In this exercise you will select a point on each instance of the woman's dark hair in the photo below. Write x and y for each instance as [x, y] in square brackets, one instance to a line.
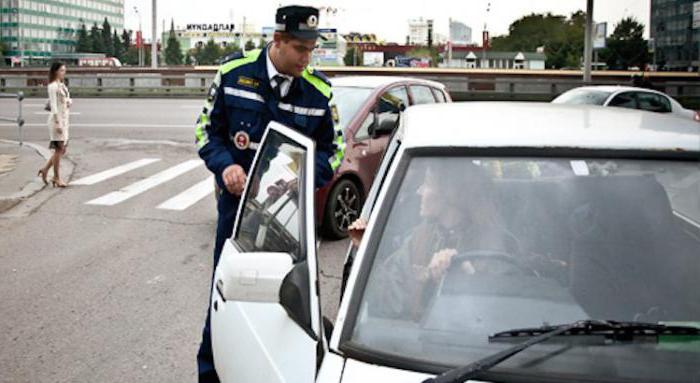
[53, 72]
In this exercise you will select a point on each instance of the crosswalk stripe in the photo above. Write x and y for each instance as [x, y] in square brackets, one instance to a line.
[139, 187]
[190, 196]
[113, 172]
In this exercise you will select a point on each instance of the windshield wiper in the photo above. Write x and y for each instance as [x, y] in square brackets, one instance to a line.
[621, 330]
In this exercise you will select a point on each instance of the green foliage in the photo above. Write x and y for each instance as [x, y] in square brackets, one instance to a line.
[207, 55]
[84, 43]
[249, 45]
[98, 45]
[230, 49]
[107, 42]
[352, 57]
[117, 46]
[130, 55]
[626, 47]
[173, 53]
[262, 44]
[561, 37]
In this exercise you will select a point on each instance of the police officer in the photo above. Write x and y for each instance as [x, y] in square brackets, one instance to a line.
[249, 91]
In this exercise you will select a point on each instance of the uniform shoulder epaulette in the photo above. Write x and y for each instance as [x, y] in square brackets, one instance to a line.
[231, 57]
[318, 80]
[237, 59]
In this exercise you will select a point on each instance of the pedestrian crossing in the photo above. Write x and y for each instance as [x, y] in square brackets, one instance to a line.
[178, 202]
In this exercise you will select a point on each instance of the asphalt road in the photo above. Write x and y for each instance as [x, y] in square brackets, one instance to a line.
[113, 293]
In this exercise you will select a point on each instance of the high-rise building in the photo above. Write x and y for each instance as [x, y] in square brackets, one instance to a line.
[460, 33]
[419, 31]
[37, 29]
[676, 44]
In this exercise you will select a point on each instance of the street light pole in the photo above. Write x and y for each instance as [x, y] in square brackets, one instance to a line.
[588, 45]
[154, 39]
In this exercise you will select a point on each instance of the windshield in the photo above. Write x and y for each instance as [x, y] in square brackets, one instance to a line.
[583, 97]
[473, 246]
[349, 100]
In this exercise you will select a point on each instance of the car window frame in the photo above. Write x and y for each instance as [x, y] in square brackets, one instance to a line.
[413, 98]
[441, 99]
[373, 111]
[663, 99]
[616, 95]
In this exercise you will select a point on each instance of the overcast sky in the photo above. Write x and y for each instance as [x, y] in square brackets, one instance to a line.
[387, 19]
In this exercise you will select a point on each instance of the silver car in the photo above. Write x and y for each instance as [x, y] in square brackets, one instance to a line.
[626, 97]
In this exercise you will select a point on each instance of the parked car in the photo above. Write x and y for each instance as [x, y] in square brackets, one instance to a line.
[368, 113]
[627, 97]
[558, 244]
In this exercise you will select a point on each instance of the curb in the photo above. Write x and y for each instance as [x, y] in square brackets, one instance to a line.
[31, 188]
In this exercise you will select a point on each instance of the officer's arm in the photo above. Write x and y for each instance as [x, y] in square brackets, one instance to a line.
[330, 149]
[212, 132]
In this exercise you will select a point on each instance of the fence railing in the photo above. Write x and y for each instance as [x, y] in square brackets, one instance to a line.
[461, 86]
[18, 119]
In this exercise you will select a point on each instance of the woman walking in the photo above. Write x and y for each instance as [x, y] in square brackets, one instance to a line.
[59, 103]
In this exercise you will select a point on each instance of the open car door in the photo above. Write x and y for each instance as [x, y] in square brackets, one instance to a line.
[265, 313]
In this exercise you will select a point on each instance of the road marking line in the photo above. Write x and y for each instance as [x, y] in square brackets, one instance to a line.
[139, 187]
[71, 113]
[113, 172]
[190, 196]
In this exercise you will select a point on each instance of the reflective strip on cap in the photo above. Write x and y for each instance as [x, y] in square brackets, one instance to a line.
[248, 95]
[302, 110]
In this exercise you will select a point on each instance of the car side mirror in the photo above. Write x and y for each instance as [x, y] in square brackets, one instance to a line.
[253, 277]
[386, 126]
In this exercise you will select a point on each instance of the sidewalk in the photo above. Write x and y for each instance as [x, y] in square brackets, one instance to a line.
[18, 172]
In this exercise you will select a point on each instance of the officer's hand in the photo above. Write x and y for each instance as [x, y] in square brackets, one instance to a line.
[234, 179]
[440, 262]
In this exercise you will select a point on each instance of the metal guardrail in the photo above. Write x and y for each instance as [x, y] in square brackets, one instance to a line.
[19, 120]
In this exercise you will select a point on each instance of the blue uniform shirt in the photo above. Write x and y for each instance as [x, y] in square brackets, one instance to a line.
[241, 103]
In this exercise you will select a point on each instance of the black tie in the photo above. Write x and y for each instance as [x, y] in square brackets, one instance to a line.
[277, 88]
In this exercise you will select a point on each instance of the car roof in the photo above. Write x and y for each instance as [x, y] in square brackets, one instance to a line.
[617, 88]
[542, 125]
[379, 81]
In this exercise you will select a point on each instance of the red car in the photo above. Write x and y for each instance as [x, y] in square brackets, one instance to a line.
[368, 112]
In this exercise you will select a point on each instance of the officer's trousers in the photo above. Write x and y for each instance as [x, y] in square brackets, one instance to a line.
[227, 208]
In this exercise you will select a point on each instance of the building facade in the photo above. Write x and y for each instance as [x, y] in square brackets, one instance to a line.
[460, 33]
[419, 31]
[38, 29]
[676, 43]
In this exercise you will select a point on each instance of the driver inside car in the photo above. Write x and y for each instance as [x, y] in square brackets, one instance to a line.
[457, 215]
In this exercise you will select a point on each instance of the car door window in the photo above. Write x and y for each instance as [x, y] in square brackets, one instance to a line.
[362, 132]
[271, 217]
[422, 95]
[624, 100]
[439, 95]
[653, 102]
[401, 93]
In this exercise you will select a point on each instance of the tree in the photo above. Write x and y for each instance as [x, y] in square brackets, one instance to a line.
[98, 45]
[117, 46]
[249, 45]
[173, 53]
[209, 54]
[352, 57]
[188, 59]
[230, 49]
[626, 47]
[84, 43]
[107, 41]
[262, 43]
[130, 55]
[561, 37]
[3, 48]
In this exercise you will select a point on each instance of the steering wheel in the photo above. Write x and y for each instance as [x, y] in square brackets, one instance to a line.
[493, 256]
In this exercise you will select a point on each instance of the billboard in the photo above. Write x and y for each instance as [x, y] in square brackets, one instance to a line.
[373, 58]
[599, 35]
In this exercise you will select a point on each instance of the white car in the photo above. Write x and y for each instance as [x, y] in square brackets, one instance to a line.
[626, 97]
[558, 244]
